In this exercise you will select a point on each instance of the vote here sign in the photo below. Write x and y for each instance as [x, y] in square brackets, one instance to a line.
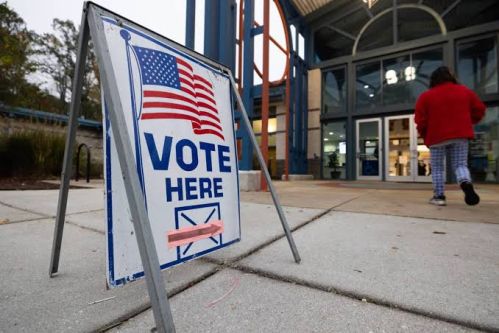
[180, 121]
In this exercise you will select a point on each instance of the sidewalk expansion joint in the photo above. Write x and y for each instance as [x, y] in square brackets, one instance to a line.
[233, 264]
[413, 217]
[146, 306]
[25, 210]
[85, 227]
[265, 244]
[221, 265]
[275, 238]
[85, 212]
[364, 298]
[41, 218]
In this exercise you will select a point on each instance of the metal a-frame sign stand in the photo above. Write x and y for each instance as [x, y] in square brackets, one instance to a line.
[92, 26]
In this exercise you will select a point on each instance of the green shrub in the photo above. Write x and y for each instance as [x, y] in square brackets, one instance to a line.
[31, 154]
[49, 152]
[17, 154]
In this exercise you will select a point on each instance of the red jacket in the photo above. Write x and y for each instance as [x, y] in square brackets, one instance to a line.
[448, 111]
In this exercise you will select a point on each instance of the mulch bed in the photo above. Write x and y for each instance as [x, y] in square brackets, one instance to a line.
[17, 184]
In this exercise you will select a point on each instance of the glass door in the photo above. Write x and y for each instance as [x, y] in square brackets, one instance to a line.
[421, 155]
[408, 159]
[369, 149]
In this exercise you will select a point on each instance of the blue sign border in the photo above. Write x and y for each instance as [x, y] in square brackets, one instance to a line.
[123, 280]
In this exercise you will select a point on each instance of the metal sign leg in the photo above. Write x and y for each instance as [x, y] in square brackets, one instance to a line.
[265, 171]
[74, 111]
[135, 196]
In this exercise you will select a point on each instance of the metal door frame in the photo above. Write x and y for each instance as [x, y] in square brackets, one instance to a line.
[413, 150]
[387, 148]
[357, 149]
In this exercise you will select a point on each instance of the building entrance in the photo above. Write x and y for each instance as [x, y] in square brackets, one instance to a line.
[391, 152]
[369, 152]
[407, 158]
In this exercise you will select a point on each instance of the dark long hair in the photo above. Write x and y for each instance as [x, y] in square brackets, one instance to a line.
[441, 75]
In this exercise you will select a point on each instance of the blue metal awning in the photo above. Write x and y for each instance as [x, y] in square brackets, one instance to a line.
[15, 112]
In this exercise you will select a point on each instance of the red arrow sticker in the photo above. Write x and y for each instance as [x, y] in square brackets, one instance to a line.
[188, 235]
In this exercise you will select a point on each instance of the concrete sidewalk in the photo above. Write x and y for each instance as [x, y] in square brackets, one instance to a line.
[391, 270]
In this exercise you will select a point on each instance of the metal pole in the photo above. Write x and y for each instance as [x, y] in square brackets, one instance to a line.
[289, 45]
[292, 111]
[288, 110]
[240, 50]
[212, 29]
[305, 116]
[136, 202]
[395, 23]
[88, 164]
[74, 111]
[190, 23]
[77, 169]
[248, 60]
[265, 90]
[277, 204]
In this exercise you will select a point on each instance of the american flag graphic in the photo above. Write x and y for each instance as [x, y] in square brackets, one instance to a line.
[171, 90]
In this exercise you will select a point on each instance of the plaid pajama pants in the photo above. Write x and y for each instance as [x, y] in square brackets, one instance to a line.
[459, 161]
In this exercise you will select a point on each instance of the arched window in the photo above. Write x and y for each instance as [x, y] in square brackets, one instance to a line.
[413, 21]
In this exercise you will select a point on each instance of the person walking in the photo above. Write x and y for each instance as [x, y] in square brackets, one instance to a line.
[445, 115]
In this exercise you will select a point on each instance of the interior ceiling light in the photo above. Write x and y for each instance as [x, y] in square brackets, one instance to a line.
[370, 3]
[391, 76]
[366, 87]
[326, 139]
[410, 73]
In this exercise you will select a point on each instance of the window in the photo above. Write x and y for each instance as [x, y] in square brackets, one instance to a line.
[406, 77]
[417, 23]
[484, 150]
[329, 44]
[378, 34]
[301, 46]
[368, 85]
[334, 94]
[334, 150]
[397, 75]
[425, 63]
[477, 65]
[272, 127]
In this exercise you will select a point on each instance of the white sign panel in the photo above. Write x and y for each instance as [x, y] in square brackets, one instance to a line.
[180, 120]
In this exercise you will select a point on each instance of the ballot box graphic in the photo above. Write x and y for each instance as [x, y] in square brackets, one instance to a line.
[195, 216]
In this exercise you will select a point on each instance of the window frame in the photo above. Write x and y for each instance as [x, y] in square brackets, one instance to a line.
[324, 71]
[324, 123]
[382, 107]
[474, 38]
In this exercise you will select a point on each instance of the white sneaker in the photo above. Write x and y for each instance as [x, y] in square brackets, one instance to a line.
[438, 200]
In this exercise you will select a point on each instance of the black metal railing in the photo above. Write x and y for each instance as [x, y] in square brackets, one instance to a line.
[77, 176]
